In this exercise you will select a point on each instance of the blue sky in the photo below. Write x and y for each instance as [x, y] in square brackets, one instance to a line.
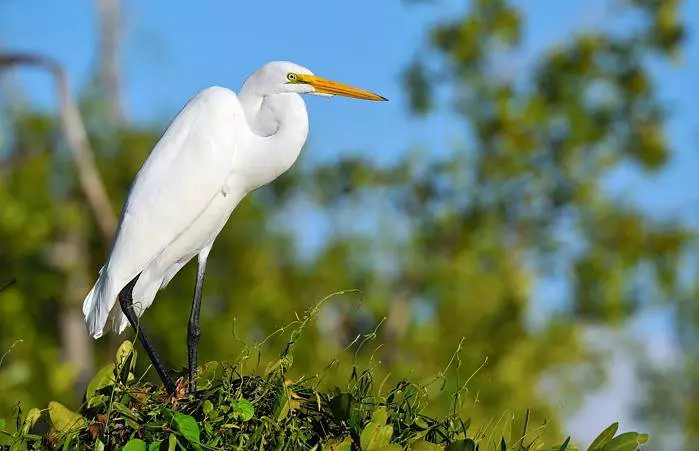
[173, 49]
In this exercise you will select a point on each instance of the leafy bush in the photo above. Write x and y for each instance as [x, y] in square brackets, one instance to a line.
[234, 411]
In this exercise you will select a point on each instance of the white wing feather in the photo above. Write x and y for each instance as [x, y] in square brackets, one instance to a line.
[186, 169]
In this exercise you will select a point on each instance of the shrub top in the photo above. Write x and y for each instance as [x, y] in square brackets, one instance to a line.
[234, 411]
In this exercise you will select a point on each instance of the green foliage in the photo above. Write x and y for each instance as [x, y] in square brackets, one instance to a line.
[459, 243]
[243, 412]
[607, 441]
[605, 436]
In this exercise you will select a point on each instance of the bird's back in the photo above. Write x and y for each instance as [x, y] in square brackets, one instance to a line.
[186, 170]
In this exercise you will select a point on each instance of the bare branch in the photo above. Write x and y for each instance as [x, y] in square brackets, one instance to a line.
[76, 136]
[110, 39]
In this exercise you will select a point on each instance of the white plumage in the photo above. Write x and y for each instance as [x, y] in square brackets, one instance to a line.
[218, 148]
[176, 205]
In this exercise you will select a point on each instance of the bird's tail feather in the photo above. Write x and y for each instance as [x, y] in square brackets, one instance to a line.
[120, 323]
[98, 303]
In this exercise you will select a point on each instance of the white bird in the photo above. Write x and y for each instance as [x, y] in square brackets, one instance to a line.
[219, 147]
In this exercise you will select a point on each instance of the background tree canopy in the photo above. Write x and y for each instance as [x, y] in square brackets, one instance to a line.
[448, 249]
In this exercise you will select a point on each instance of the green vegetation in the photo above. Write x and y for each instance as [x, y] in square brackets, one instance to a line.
[452, 238]
[233, 411]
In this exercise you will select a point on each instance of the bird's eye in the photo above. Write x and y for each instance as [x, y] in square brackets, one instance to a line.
[291, 77]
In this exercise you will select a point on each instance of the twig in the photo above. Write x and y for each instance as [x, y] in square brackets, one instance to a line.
[8, 284]
[76, 136]
[2, 359]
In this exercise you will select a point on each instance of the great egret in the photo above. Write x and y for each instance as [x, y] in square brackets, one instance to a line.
[219, 147]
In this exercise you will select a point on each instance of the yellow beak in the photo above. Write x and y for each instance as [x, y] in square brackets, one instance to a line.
[329, 87]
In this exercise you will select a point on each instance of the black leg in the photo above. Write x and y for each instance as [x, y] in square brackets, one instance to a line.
[126, 302]
[193, 332]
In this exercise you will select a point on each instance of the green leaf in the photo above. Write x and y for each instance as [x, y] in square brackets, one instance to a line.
[125, 349]
[245, 409]
[171, 443]
[2, 424]
[208, 374]
[135, 444]
[280, 407]
[68, 442]
[32, 437]
[125, 361]
[155, 446]
[208, 407]
[380, 416]
[188, 427]
[283, 409]
[643, 438]
[375, 436]
[425, 446]
[461, 445]
[421, 423]
[99, 445]
[103, 378]
[604, 437]
[344, 445]
[564, 446]
[628, 441]
[122, 409]
[63, 419]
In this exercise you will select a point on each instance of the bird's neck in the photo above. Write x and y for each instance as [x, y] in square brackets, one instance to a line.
[279, 126]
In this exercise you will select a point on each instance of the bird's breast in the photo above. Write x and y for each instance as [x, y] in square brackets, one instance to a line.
[206, 227]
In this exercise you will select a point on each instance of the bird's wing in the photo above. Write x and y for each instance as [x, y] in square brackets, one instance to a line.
[186, 169]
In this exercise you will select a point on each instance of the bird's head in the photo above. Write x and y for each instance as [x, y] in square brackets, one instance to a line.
[280, 77]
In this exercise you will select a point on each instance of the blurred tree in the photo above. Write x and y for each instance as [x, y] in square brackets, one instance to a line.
[522, 202]
[456, 244]
[672, 381]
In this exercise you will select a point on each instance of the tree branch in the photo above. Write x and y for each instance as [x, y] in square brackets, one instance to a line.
[110, 39]
[76, 136]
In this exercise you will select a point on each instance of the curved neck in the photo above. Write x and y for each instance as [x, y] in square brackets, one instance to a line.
[279, 126]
